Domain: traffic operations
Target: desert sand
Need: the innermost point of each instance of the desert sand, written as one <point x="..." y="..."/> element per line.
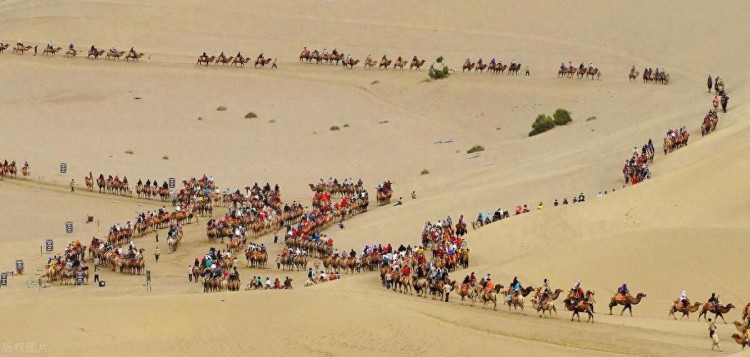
<point x="685" y="229"/>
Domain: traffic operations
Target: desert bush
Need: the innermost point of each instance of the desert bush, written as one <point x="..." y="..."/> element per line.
<point x="542" y="123"/>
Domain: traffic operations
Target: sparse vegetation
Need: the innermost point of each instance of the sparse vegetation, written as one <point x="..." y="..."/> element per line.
<point x="475" y="148"/>
<point x="438" y="70"/>
<point x="221" y="108"/>
<point x="590" y="118"/>
<point x="200" y="118"/>
<point x="425" y="172"/>
<point x="251" y="115"/>
<point x="129" y="152"/>
<point x="346" y="125"/>
<point x="165" y="157"/>
<point x="561" y="117"/>
<point x="542" y="123"/>
<point x="335" y="127"/>
<point x="272" y="121"/>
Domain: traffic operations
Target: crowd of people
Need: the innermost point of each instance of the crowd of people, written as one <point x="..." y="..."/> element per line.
<point x="636" y="168"/>
<point x="257" y="283"/>
<point x="261" y="60"/>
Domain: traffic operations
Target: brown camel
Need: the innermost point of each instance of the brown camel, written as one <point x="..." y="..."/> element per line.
<point x="677" y="307"/>
<point x="4" y="47"/>
<point x="71" y="52"/>
<point x="627" y="301"/>
<point x="633" y="76"/>
<point x="718" y="311"/>
<point x="95" y="54"/>
<point x="581" y="306"/>
<point x="417" y="64"/>
<point x="206" y="60"/>
<point x="741" y="340"/>
<point x="133" y="56"/>
<point x="742" y="328"/>
<point x="20" y="49"/>
<point x="262" y="62"/>
<point x="114" y="55"/>
<point x="385" y="64"/>
<point x="51" y="51"/>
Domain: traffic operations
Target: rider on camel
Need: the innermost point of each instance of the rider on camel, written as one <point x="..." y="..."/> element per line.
<point x="623" y="290"/>
<point x="545" y="291"/>
<point x="714" y="299"/>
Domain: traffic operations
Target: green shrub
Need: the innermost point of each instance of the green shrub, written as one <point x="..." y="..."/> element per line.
<point x="425" y="172"/>
<point x="251" y="115"/>
<point x="542" y="123"/>
<point x="475" y="148"/>
<point x="561" y="117"/>
<point x="165" y="157"/>
<point x="346" y="125"/>
<point x="221" y="108"/>
<point x="129" y="152"/>
<point x="440" y="70"/>
<point x="335" y="127"/>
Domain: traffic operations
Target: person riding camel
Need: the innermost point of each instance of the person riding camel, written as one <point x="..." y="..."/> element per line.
<point x="479" y="61"/>
<point x="684" y="300"/>
<point x="260" y="56"/>
<point x="70" y="46"/>
<point x="132" y="51"/>
<point x="623" y="290"/>
<point x="204" y="55"/>
<point x="222" y="56"/>
<point x="335" y="52"/>
<point x="414" y="59"/>
<point x="514" y="287"/>
<point x="49" y="45"/>
<point x="472" y="278"/>
<point x="714" y="300"/>
<point x="545" y="292"/>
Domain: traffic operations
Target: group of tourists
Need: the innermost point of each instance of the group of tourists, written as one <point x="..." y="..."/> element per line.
<point x="69" y="266"/>
<point x="257" y="283"/>
<point x="10" y="169"/>
<point x="720" y="95"/>
<point x="636" y="168"/>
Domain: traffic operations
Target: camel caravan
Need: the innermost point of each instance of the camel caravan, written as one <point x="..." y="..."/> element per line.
<point x="710" y="121"/>
<point x="493" y="67"/>
<point x="649" y="75"/>
<point x="335" y="57"/>
<point x="675" y="139"/>
<point x="217" y="271"/>
<point x="128" y="261"/>
<point x="636" y="168"/>
<point x="11" y="170"/>
<point x="68" y="267"/>
<point x="579" y="72"/>
<point x="239" y="59"/>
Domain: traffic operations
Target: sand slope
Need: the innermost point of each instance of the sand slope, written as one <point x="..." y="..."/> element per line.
<point x="685" y="229"/>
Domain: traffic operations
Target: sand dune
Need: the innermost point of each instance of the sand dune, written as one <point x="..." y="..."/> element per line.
<point x="684" y="229"/>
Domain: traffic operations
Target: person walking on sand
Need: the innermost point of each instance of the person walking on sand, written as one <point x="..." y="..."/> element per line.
<point x="712" y="334"/>
<point x="190" y="273"/>
<point x="96" y="273"/>
<point x="157" y="254"/>
<point x="72" y="185"/>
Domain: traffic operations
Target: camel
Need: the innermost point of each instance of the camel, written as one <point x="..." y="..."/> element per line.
<point x="95" y="53"/>
<point x="746" y="312"/>
<point x="262" y="62"/>
<point x="26" y="173"/>
<point x="71" y="52"/>
<point x="677" y="307"/>
<point x="480" y="67"/>
<point x="421" y="286"/>
<point x="467" y="66"/>
<point x="516" y="299"/>
<point x="206" y="60"/>
<point x="224" y="60"/>
<point x="490" y="296"/>
<point x="742" y="328"/>
<point x="385" y="64"/>
<point x="718" y="311"/>
<point x="464" y="291"/>
<point x="633" y="76"/>
<point x="514" y="68"/>
<point x="416" y="64"/>
<point x="239" y="59"/>
<point x="741" y="340"/>
<point x="370" y="63"/>
<point x="350" y="63"/>
<point x="582" y="306"/>
<point x="21" y="49"/>
<point x="594" y="72"/>
<point x="133" y="56"/>
<point x="53" y="51"/>
<point x="114" y="55"/>
<point x="4" y="47"/>
<point x="399" y="64"/>
<point x="548" y="304"/>
<point x="627" y="301"/>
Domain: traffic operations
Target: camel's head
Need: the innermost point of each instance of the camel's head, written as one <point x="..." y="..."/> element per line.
<point x="730" y="306"/>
